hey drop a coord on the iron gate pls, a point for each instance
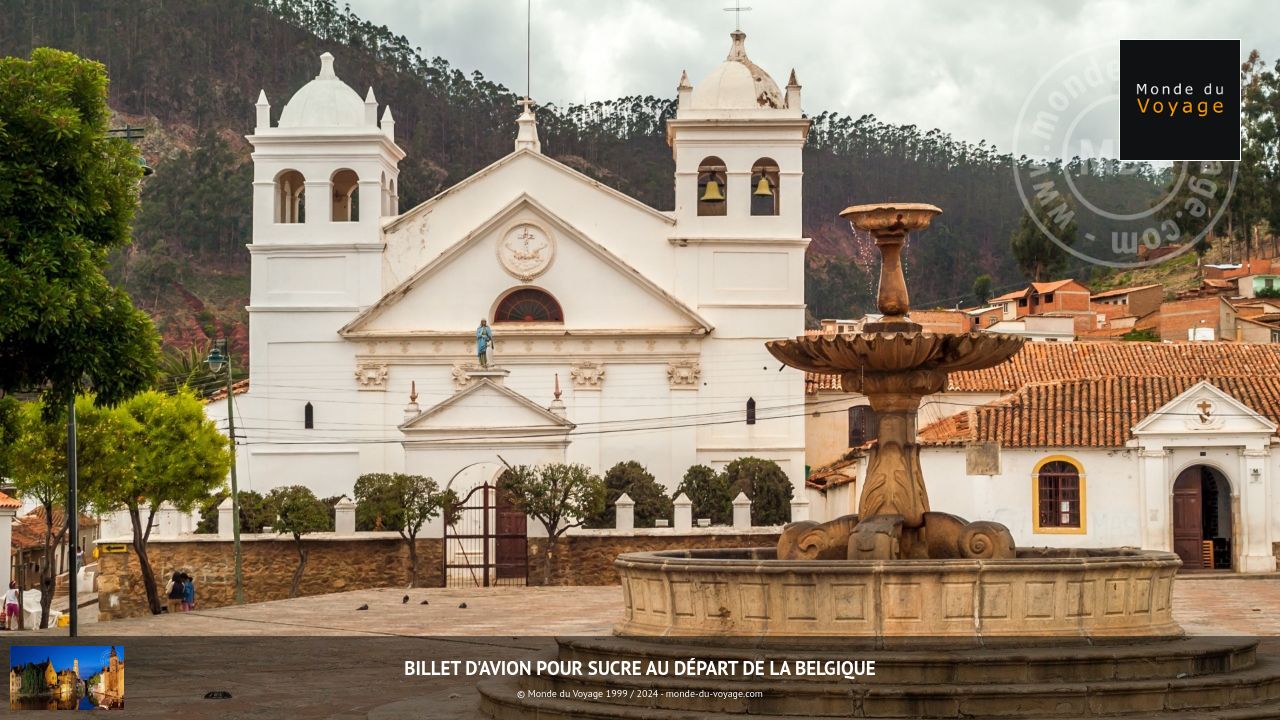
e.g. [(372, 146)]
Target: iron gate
[(488, 544)]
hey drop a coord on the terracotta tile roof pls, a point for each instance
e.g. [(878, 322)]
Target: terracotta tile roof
[(1049, 362), (1010, 295), (839, 473), (239, 387), (28, 530), (1123, 291), (1044, 287), (1093, 412), (7, 502)]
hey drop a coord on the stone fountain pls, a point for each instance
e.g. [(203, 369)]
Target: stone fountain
[(961, 623)]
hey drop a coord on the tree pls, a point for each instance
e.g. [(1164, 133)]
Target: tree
[(632, 478), (404, 503), (1036, 253), (298, 512), (982, 289), (170, 451), (766, 484), (710, 492), (557, 495), (67, 195), (254, 513)]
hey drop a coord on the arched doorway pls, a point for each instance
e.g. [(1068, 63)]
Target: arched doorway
[(1203, 530)]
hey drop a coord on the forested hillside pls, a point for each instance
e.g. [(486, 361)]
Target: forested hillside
[(189, 71)]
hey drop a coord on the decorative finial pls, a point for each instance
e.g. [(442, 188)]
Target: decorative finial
[(413, 391), (369, 98), (326, 67), (557, 393), (684, 79), (262, 98), (527, 128), (792, 82)]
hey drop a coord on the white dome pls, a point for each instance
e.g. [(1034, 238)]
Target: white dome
[(325, 102), (737, 84)]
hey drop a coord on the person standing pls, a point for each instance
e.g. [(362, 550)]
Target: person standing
[(173, 593), (188, 593), (484, 338), (11, 605)]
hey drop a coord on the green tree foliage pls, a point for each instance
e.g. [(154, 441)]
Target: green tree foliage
[(67, 195), (298, 512), (10, 428), (766, 484), (982, 291), (638, 483), (558, 495), (254, 513), (404, 503), (710, 492), (168, 451), (1039, 257)]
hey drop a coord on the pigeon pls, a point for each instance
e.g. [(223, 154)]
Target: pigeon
[(425, 602), (463, 606), (405, 601), (363, 607)]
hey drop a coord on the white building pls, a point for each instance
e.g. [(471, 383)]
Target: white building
[(622, 332), (1168, 446)]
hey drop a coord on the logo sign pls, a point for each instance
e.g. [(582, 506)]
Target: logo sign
[(1068, 171), (1180, 100)]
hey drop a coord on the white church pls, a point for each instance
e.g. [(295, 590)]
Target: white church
[(621, 332)]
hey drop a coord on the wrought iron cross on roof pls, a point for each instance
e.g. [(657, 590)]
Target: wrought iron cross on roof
[(737, 11)]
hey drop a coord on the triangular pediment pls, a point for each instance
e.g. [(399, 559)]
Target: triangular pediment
[(597, 290), (1204, 408), (484, 407)]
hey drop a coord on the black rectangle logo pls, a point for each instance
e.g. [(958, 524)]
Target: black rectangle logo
[(1180, 100)]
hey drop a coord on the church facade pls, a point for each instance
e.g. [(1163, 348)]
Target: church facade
[(620, 332)]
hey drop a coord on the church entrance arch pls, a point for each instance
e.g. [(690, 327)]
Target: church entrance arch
[(486, 541), (1203, 526)]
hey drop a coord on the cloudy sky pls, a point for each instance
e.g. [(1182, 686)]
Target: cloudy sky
[(966, 67)]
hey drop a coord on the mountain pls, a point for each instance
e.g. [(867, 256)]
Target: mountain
[(189, 72)]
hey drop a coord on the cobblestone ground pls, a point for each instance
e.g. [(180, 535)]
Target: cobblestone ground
[(282, 659)]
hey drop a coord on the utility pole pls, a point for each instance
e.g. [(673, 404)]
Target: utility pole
[(73, 517), (220, 356)]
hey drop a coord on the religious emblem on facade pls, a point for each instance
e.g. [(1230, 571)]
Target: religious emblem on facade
[(526, 251), (1204, 415), (371, 377), (587, 375), (683, 373)]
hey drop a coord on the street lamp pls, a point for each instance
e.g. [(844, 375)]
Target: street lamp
[(220, 357)]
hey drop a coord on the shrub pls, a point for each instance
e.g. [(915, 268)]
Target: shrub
[(632, 478), (254, 513), (766, 484), (711, 494)]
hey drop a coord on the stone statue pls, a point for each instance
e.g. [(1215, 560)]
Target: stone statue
[(484, 338)]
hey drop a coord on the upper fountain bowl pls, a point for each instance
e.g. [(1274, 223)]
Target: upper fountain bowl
[(895, 352), (883, 218)]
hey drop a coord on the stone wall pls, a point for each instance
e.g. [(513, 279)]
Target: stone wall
[(587, 558), (368, 560)]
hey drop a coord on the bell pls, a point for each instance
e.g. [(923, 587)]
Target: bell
[(712, 193), (762, 188)]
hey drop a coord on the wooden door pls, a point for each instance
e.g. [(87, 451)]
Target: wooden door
[(511, 540), (1188, 534)]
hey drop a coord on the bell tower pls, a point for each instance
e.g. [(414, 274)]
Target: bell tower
[(738, 142)]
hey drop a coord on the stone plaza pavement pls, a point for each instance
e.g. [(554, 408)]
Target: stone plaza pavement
[(317, 657)]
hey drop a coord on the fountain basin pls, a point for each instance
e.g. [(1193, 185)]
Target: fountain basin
[(895, 351), (1043, 593)]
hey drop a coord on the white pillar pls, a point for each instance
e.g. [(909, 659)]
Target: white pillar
[(684, 512), (225, 517), (799, 509), (168, 521), (1258, 556), (742, 511), (344, 516), (1157, 530), (7, 516), (625, 509)]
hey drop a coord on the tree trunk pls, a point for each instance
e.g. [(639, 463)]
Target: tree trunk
[(46, 569), (302, 565), (413, 560), (144, 560)]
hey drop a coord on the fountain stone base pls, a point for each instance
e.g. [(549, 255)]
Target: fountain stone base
[(1042, 593)]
